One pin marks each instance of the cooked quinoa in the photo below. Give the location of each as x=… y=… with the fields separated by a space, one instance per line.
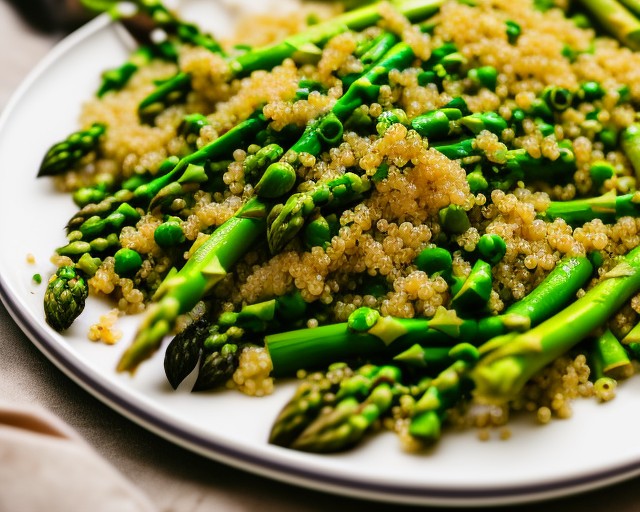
x=380 y=237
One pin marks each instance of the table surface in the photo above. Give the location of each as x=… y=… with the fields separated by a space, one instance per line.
x=174 y=478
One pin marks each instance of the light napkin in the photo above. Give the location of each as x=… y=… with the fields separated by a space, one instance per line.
x=46 y=465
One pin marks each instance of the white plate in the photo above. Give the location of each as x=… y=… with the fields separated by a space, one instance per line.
x=596 y=448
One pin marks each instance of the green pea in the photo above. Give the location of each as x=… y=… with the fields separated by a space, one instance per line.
x=486 y=76
x=625 y=94
x=363 y=319
x=513 y=31
x=545 y=129
x=591 y=91
x=601 y=171
x=492 y=248
x=609 y=137
x=477 y=182
x=317 y=233
x=453 y=219
x=127 y=262
x=434 y=259
x=169 y=234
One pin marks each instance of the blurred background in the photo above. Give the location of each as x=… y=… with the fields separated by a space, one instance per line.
x=51 y=16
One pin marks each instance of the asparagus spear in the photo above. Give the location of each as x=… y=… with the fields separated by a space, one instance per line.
x=345 y=424
x=65 y=297
x=205 y=341
x=499 y=368
x=64 y=155
x=632 y=5
x=606 y=207
x=617 y=20
x=630 y=142
x=430 y=410
x=316 y=391
x=239 y=136
x=288 y=219
x=609 y=358
x=367 y=333
x=507 y=362
x=181 y=290
x=307 y=42
x=149 y=16
x=168 y=92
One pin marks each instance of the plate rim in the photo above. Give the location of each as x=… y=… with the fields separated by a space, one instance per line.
x=289 y=472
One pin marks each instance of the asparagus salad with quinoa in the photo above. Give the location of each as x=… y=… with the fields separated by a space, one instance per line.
x=425 y=211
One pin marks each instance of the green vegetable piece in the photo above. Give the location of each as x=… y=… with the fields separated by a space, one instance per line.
x=182 y=289
x=363 y=319
x=307 y=42
x=476 y=289
x=361 y=399
x=184 y=350
x=86 y=195
x=127 y=262
x=606 y=207
x=544 y=5
x=64 y=155
x=65 y=297
x=591 y=91
x=617 y=20
x=601 y=171
x=116 y=78
x=453 y=219
x=191 y=125
x=545 y=128
x=88 y=264
x=479 y=122
x=508 y=362
x=609 y=137
x=513 y=31
x=435 y=124
x=278 y=179
x=285 y=221
x=312 y=395
x=255 y=164
x=169 y=233
x=477 y=181
x=460 y=104
x=624 y=94
x=390 y=117
x=291 y=351
x=434 y=260
x=168 y=92
x=630 y=142
x=319 y=232
x=217 y=367
x=123 y=215
x=557 y=98
x=430 y=411
x=609 y=358
x=36 y=278
x=485 y=76
x=458 y=150
x=491 y=248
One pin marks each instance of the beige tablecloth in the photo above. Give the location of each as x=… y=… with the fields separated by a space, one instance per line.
x=172 y=478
